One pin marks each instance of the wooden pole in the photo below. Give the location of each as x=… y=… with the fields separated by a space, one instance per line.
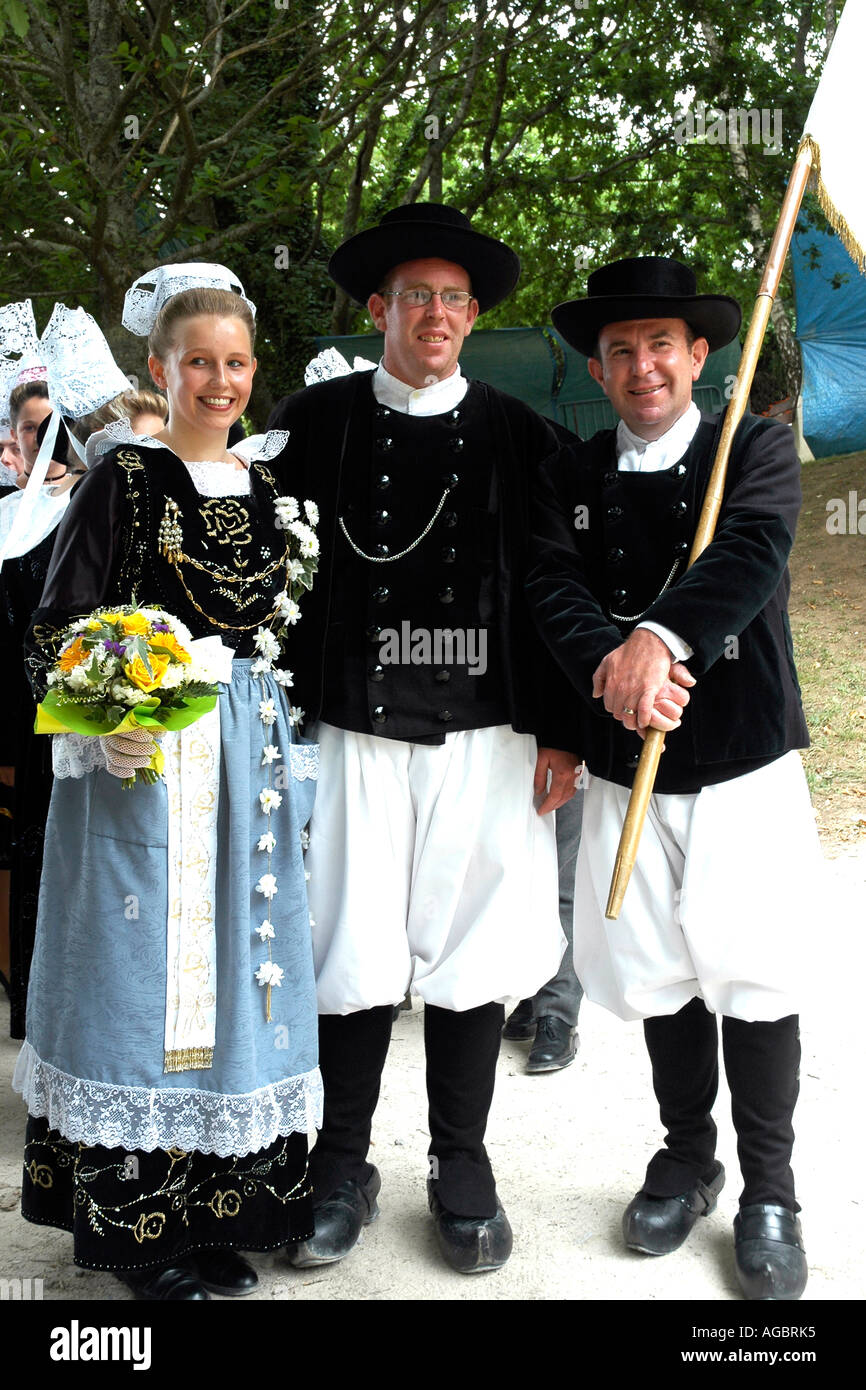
x=654 y=742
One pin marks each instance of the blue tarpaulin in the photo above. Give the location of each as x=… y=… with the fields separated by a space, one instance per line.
x=831 y=329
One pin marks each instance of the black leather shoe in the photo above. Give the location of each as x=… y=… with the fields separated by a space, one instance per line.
x=171 y=1283
x=339 y=1221
x=769 y=1251
x=471 y=1244
x=555 y=1045
x=658 y=1225
x=225 y=1272
x=520 y=1024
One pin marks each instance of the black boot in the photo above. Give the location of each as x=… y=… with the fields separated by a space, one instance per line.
x=352 y=1052
x=471 y=1227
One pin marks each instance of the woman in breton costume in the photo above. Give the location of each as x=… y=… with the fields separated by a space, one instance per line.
x=69 y=371
x=25 y=759
x=170 y=1067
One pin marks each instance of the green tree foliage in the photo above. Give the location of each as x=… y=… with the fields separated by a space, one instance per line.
x=262 y=133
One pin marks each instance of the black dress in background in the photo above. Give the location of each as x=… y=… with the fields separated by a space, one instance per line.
x=21 y=583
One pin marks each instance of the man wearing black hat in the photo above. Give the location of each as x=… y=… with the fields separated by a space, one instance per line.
x=432 y=858
x=714 y=917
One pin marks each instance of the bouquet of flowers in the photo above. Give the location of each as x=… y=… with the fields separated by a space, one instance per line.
x=124 y=668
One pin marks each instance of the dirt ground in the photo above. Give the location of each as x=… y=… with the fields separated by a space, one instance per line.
x=828 y=622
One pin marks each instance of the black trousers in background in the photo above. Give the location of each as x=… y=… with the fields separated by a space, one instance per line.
x=462 y=1049
x=762 y=1062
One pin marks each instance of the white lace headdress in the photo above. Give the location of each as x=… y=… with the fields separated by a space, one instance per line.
x=145 y=298
x=19 y=349
x=81 y=376
x=80 y=370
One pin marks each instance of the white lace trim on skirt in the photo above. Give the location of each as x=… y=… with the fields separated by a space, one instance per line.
x=134 y=1117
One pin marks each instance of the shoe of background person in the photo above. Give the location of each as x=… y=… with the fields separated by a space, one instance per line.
x=339 y=1222
x=769 y=1253
x=224 y=1272
x=555 y=1046
x=471 y=1244
x=520 y=1024
x=658 y=1225
x=171 y=1283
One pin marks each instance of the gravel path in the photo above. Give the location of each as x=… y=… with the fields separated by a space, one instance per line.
x=569 y=1151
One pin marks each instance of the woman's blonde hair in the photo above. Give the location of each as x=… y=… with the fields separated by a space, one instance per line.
x=126 y=406
x=190 y=304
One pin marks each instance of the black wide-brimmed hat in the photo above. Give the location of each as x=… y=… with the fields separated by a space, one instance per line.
x=416 y=232
x=645 y=287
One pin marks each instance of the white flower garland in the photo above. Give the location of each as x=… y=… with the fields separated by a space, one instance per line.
x=269 y=645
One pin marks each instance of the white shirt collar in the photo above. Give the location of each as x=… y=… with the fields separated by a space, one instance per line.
x=425 y=400
x=636 y=455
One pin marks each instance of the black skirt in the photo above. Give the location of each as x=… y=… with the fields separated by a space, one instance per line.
x=135 y=1210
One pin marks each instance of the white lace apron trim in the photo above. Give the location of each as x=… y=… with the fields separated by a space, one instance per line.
x=304 y=762
x=134 y=1117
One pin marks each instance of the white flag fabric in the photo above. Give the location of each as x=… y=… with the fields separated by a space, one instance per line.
x=834 y=134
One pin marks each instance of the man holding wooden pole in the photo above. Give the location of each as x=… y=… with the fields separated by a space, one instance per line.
x=713 y=922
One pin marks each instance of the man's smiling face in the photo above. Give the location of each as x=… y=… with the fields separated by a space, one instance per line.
x=422 y=344
x=646 y=369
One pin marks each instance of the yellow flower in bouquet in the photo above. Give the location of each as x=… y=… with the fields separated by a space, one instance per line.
x=170 y=642
x=148 y=681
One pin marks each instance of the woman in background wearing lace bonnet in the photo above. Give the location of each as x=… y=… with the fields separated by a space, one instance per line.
x=172 y=1024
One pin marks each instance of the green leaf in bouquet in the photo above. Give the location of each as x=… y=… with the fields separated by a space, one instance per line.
x=198 y=689
x=94 y=675
x=137 y=646
x=181 y=717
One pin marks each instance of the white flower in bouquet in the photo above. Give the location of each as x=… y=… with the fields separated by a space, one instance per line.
x=312 y=512
x=309 y=544
x=76 y=679
x=269 y=974
x=270 y=800
x=174 y=675
x=266 y=643
x=296 y=570
x=283 y=678
x=270 y=753
x=287 y=510
x=266 y=931
x=267 y=841
x=296 y=714
x=261 y=666
x=267 y=886
x=126 y=694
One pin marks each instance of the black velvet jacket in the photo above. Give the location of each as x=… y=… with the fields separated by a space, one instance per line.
x=605 y=542
x=329 y=446
x=109 y=550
